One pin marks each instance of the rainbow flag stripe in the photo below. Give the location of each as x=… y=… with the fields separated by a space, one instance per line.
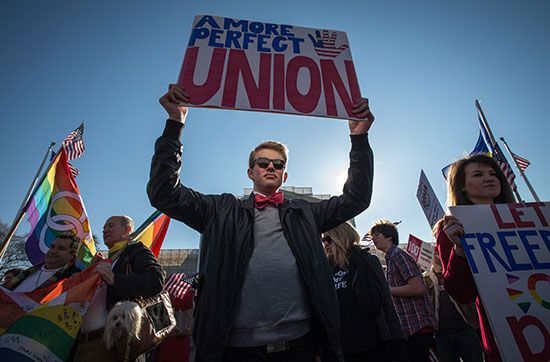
x=152 y=232
x=56 y=207
x=48 y=332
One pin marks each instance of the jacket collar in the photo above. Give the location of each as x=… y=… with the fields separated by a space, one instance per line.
x=248 y=204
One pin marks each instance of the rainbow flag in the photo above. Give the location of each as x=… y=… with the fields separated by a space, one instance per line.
x=56 y=207
x=48 y=331
x=152 y=232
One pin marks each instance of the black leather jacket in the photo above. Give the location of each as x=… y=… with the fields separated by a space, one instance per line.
x=137 y=274
x=226 y=224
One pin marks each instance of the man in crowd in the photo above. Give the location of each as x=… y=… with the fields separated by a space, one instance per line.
x=410 y=297
x=58 y=264
x=265 y=288
x=134 y=273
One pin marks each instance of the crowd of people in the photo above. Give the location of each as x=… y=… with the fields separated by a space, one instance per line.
x=286 y=280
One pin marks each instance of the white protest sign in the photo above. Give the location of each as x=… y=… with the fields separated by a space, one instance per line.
x=508 y=250
x=428 y=200
x=249 y=65
x=421 y=251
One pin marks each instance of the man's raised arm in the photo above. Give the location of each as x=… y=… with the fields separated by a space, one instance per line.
x=172 y=101
x=165 y=190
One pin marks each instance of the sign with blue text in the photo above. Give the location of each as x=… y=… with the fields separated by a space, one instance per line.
x=256 y=66
x=508 y=250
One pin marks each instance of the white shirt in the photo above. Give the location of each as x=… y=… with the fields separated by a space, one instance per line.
x=96 y=315
x=36 y=279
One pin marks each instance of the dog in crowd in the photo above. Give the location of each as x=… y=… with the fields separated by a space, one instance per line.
x=123 y=325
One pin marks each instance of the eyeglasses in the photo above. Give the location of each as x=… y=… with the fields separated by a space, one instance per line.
x=264 y=163
x=327 y=239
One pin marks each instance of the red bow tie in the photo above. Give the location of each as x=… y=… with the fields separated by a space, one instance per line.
x=261 y=201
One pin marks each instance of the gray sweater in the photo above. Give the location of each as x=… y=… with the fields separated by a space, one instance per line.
x=272 y=305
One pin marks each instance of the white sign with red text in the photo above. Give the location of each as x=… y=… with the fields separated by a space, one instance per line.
x=421 y=251
x=255 y=66
x=508 y=250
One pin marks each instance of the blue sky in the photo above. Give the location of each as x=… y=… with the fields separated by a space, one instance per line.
x=422 y=64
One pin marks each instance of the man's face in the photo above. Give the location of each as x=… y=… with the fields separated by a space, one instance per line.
x=381 y=242
x=113 y=231
x=267 y=180
x=59 y=254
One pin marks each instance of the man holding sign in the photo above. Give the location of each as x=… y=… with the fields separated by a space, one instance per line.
x=265 y=287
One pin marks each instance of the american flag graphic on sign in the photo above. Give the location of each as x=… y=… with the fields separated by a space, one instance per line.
x=325 y=44
x=74 y=143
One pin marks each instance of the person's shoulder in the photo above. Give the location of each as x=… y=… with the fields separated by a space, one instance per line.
x=135 y=247
x=402 y=256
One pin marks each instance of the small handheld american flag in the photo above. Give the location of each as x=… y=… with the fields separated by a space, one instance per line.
x=177 y=284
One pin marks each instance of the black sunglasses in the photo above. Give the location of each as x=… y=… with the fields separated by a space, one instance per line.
x=327 y=239
x=264 y=163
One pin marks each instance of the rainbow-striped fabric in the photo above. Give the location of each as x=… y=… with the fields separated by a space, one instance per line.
x=152 y=232
x=56 y=207
x=47 y=321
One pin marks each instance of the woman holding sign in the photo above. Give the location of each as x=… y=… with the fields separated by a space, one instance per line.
x=473 y=180
x=369 y=326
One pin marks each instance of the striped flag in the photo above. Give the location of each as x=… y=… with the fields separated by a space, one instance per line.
x=74 y=143
x=152 y=232
x=56 y=207
x=521 y=162
x=48 y=331
x=74 y=170
x=325 y=44
x=177 y=284
x=495 y=151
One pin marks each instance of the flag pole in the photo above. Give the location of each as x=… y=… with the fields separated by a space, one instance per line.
x=535 y=196
x=492 y=138
x=21 y=213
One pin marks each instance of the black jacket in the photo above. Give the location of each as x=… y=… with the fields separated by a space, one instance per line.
x=226 y=224
x=372 y=290
x=137 y=274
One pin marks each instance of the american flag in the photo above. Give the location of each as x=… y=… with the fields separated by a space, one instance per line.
x=178 y=284
x=325 y=46
x=504 y=165
x=521 y=162
x=74 y=144
x=495 y=150
x=74 y=170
